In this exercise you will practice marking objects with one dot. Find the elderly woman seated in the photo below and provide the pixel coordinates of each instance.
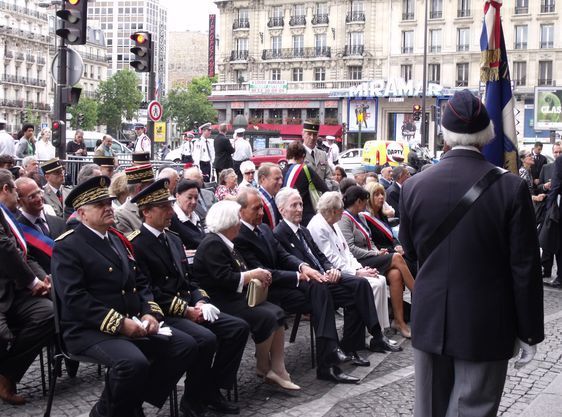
(223, 273)
(186, 222)
(228, 185)
(327, 235)
(392, 265)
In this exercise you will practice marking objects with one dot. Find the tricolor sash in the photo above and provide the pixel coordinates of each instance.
(14, 227)
(268, 209)
(380, 225)
(292, 175)
(37, 239)
(361, 228)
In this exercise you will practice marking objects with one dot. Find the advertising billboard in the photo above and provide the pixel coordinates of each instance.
(548, 108)
(361, 115)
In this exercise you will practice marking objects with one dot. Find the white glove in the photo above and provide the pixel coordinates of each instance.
(527, 353)
(166, 331)
(210, 312)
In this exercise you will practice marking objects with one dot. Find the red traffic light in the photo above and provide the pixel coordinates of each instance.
(56, 125)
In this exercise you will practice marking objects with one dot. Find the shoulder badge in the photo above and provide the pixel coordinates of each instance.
(133, 235)
(65, 234)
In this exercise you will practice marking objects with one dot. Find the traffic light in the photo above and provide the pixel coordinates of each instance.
(142, 50)
(74, 15)
(416, 112)
(56, 128)
(80, 119)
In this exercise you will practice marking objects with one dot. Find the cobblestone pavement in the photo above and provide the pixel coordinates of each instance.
(386, 389)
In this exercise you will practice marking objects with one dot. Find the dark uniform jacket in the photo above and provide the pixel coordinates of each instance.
(540, 162)
(97, 287)
(393, 197)
(481, 288)
(223, 153)
(168, 278)
(56, 227)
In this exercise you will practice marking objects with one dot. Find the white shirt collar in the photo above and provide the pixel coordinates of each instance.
(180, 213)
(152, 230)
(227, 242)
(33, 218)
(467, 148)
(293, 226)
(308, 150)
(53, 188)
(96, 232)
(248, 225)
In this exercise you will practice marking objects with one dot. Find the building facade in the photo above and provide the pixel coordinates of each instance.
(187, 57)
(24, 45)
(359, 63)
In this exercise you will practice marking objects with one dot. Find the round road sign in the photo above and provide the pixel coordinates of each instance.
(154, 110)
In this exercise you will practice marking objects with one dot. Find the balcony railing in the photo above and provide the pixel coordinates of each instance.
(292, 85)
(462, 47)
(297, 21)
(435, 48)
(20, 56)
(24, 34)
(23, 10)
(436, 14)
(320, 19)
(41, 60)
(290, 53)
(8, 54)
(354, 50)
(276, 22)
(29, 58)
(407, 49)
(355, 17)
(15, 79)
(408, 16)
(521, 9)
(520, 45)
(241, 24)
(545, 81)
(463, 13)
(547, 8)
(94, 57)
(547, 44)
(520, 81)
(461, 83)
(239, 55)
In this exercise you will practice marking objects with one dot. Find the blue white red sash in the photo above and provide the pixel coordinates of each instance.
(361, 228)
(14, 227)
(37, 239)
(380, 225)
(292, 175)
(268, 209)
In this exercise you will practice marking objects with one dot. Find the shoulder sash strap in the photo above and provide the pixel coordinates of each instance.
(380, 225)
(292, 175)
(37, 239)
(361, 228)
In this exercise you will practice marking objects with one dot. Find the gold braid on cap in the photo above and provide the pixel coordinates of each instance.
(93, 194)
(141, 175)
(158, 196)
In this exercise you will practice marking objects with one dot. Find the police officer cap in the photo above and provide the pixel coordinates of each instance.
(206, 126)
(156, 193)
(239, 132)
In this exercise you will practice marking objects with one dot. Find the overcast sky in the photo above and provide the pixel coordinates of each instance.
(189, 14)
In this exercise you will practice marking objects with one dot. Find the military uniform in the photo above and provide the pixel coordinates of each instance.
(99, 285)
(50, 197)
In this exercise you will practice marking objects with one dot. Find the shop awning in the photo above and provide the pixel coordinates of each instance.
(290, 131)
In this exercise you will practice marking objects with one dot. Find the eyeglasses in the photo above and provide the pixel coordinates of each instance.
(33, 196)
(249, 172)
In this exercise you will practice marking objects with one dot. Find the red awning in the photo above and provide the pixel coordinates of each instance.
(295, 131)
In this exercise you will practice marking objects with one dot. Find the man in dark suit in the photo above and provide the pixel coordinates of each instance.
(352, 293)
(399, 174)
(162, 259)
(293, 286)
(101, 292)
(478, 293)
(223, 150)
(26, 314)
(386, 177)
(270, 180)
(540, 161)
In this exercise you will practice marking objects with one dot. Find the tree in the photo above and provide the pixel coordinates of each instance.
(118, 99)
(187, 105)
(89, 108)
(32, 118)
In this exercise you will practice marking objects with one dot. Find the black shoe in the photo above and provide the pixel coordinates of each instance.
(381, 346)
(546, 274)
(358, 360)
(221, 405)
(553, 284)
(337, 356)
(191, 408)
(139, 412)
(71, 367)
(335, 374)
(98, 410)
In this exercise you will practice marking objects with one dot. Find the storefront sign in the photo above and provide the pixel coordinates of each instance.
(548, 108)
(389, 88)
(268, 86)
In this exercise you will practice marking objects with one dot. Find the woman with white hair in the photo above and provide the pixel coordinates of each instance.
(327, 235)
(223, 273)
(248, 170)
(44, 149)
(228, 185)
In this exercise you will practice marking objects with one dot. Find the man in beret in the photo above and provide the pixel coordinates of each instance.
(162, 259)
(478, 292)
(54, 191)
(108, 312)
(204, 151)
(127, 217)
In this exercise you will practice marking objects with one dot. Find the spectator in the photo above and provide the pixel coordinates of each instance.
(270, 179)
(7, 161)
(346, 183)
(360, 176)
(339, 174)
(118, 188)
(186, 222)
(54, 191)
(527, 162)
(172, 175)
(31, 168)
(26, 144)
(539, 162)
(371, 177)
(248, 170)
(7, 144)
(228, 188)
(399, 174)
(206, 197)
(77, 147)
(242, 151)
(104, 149)
(377, 220)
(44, 149)
(386, 177)
(223, 150)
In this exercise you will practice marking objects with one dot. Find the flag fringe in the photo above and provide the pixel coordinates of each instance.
(489, 74)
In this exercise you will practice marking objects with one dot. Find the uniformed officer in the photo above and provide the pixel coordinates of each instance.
(54, 191)
(162, 259)
(315, 157)
(204, 151)
(140, 158)
(127, 217)
(106, 163)
(142, 142)
(101, 293)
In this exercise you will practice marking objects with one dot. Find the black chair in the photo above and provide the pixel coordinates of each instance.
(294, 330)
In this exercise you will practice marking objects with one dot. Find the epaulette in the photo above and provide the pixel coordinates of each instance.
(133, 235)
(65, 234)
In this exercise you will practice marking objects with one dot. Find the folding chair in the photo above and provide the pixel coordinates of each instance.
(293, 336)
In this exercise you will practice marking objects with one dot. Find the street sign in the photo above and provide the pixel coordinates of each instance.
(68, 116)
(75, 67)
(160, 132)
(154, 110)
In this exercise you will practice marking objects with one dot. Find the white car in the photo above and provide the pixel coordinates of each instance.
(174, 155)
(352, 158)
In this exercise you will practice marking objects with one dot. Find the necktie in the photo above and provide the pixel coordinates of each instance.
(312, 154)
(239, 261)
(59, 196)
(311, 255)
(42, 226)
(108, 240)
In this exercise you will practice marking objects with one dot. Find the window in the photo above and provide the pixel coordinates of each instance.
(320, 43)
(463, 41)
(436, 9)
(276, 74)
(297, 74)
(547, 6)
(520, 37)
(407, 41)
(277, 11)
(276, 45)
(298, 17)
(357, 12)
(521, 6)
(520, 73)
(434, 73)
(406, 72)
(355, 73)
(321, 14)
(435, 40)
(242, 44)
(276, 18)
(298, 45)
(300, 10)
(408, 9)
(464, 8)
(545, 73)
(547, 36)
(462, 74)
(319, 74)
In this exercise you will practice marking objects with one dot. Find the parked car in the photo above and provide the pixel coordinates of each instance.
(352, 158)
(275, 155)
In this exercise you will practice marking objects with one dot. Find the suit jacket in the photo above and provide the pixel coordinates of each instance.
(481, 288)
(547, 172)
(209, 199)
(393, 197)
(357, 242)
(556, 186)
(295, 247)
(302, 185)
(267, 253)
(50, 198)
(540, 161)
(223, 153)
(56, 227)
(319, 163)
(385, 183)
(127, 218)
(97, 287)
(190, 234)
(167, 276)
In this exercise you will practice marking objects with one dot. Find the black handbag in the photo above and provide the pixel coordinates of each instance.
(549, 234)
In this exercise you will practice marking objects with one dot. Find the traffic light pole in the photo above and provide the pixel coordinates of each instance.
(149, 122)
(60, 107)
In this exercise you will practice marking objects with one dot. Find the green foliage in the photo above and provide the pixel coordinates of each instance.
(187, 105)
(119, 99)
(89, 108)
(33, 118)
